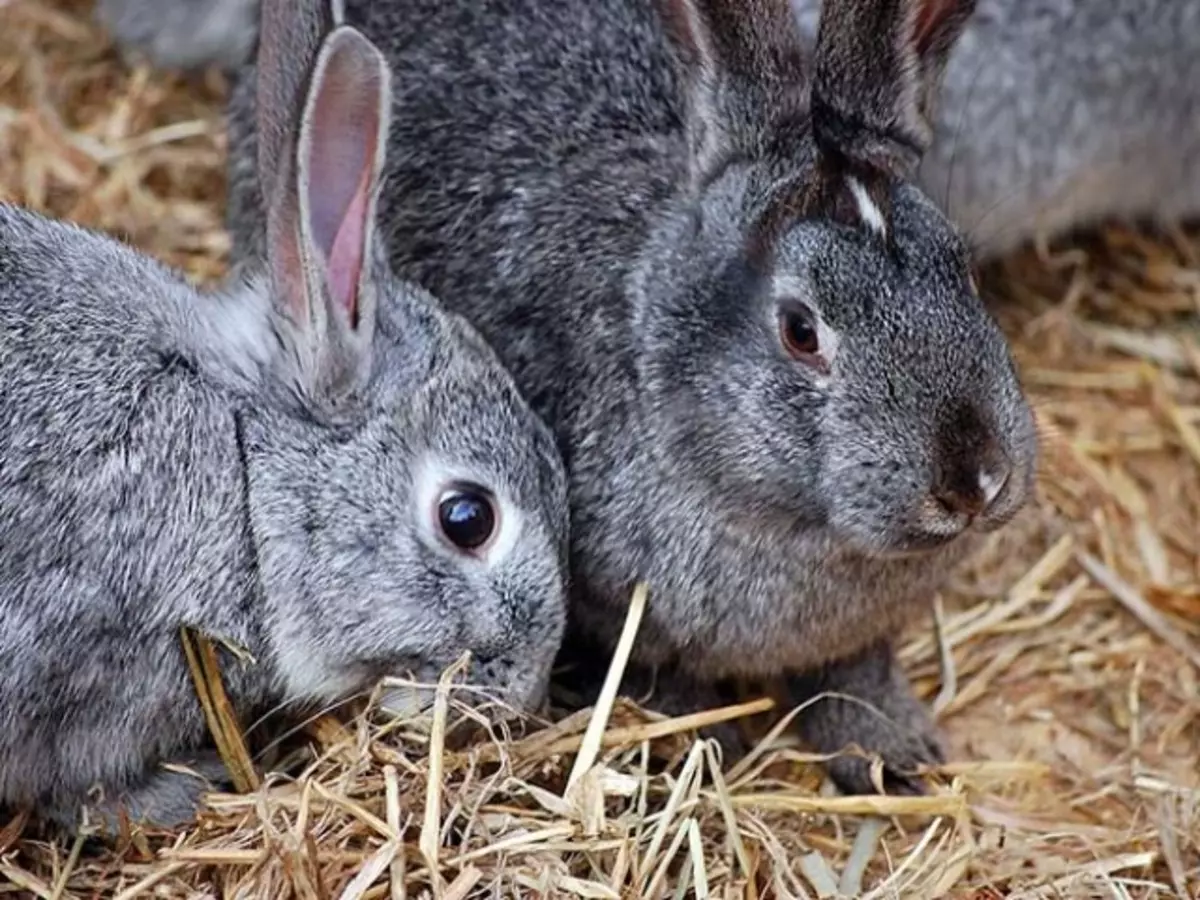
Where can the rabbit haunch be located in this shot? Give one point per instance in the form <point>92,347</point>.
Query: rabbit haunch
<point>319,464</point>
<point>692,241</point>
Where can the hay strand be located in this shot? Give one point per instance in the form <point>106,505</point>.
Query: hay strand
<point>589,749</point>
<point>219,713</point>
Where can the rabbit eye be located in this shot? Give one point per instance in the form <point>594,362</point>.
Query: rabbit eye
<point>467,517</point>
<point>798,331</point>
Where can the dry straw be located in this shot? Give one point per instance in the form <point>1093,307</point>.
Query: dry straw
<point>1064,663</point>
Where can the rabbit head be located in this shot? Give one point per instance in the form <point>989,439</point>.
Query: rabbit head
<point>412,506</point>
<point>808,316</point>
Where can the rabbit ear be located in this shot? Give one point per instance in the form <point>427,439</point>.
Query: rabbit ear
<point>744,67</point>
<point>878,63</point>
<point>290,36</point>
<point>321,223</point>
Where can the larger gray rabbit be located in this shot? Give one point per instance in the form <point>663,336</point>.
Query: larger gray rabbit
<point>695,244</point>
<point>320,465</point>
<point>1053,115</point>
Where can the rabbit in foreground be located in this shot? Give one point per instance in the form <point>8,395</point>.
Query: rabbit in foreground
<point>320,465</point>
<point>1053,114</point>
<point>697,247</point>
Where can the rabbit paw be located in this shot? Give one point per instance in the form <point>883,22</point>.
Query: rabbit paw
<point>168,798</point>
<point>877,712</point>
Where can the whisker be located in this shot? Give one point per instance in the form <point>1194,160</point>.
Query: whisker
<point>973,233</point>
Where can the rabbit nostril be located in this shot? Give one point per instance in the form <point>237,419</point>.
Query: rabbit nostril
<point>961,500</point>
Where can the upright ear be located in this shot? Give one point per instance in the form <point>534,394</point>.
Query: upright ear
<point>321,221</point>
<point>878,64</point>
<point>290,36</point>
<point>744,68</point>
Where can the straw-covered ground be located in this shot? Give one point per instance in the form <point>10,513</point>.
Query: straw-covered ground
<point>1064,664</point>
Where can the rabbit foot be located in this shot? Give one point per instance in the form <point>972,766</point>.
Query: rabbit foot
<point>168,798</point>
<point>877,712</point>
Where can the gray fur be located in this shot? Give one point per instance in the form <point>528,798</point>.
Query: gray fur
<point>1054,115</point>
<point>542,183</point>
<point>255,464</point>
<point>183,34</point>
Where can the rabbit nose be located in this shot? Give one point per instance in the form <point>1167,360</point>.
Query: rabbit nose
<point>971,496</point>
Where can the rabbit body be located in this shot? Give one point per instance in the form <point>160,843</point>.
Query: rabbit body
<point>598,214</point>
<point>124,509</point>
<point>184,34</point>
<point>299,465</point>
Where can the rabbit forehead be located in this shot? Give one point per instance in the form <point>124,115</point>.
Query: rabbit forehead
<point>443,386</point>
<point>472,421</point>
<point>908,280</point>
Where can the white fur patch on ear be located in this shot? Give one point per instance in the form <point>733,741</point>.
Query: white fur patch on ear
<point>867,209</point>
<point>432,479</point>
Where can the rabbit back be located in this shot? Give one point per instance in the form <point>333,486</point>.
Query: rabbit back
<point>122,510</point>
<point>1054,115</point>
<point>184,34</point>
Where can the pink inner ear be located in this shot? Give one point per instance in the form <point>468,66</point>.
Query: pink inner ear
<point>345,259</point>
<point>340,145</point>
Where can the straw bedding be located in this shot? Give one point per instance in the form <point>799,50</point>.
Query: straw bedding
<point>1064,662</point>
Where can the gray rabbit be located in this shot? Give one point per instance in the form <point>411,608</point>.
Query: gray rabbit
<point>319,464</point>
<point>1053,114</point>
<point>696,245</point>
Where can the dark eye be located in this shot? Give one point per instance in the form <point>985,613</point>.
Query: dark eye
<point>467,517</point>
<point>798,331</point>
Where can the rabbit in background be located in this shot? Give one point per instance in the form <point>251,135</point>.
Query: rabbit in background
<point>696,244</point>
<point>1057,115</point>
<point>183,34</point>
<point>318,464</point>
<point>1053,115</point>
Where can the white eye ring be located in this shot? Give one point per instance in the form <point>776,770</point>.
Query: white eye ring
<point>486,524</point>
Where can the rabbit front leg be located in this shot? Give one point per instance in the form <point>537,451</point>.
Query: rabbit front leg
<point>673,692</point>
<point>168,798</point>
<point>867,702</point>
